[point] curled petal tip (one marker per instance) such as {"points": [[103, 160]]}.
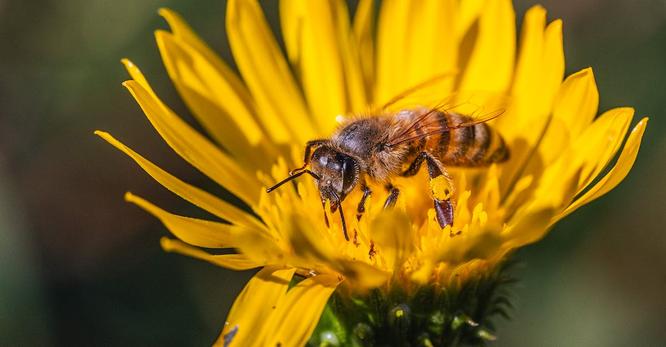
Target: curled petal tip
{"points": [[537, 7], [166, 12], [129, 197], [166, 243]]}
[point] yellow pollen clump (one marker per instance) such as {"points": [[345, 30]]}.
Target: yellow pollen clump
{"points": [[441, 188]]}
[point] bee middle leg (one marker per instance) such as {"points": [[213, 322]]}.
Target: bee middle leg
{"points": [[393, 196], [361, 204], [441, 197]]}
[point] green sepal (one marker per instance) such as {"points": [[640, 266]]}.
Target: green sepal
{"points": [[432, 315], [330, 331]]}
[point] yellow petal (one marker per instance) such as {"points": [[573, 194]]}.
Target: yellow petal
{"points": [[553, 61], [195, 148], [223, 83], [136, 74], [574, 109], [235, 99], [624, 163], [559, 183], [318, 40], [213, 100], [230, 261], [292, 30], [266, 73], [530, 56], [480, 244], [197, 232], [364, 26], [363, 275], [468, 13], [296, 317], [433, 31], [183, 31], [524, 159], [599, 143], [392, 237], [253, 306], [531, 226], [262, 248], [577, 101], [313, 246], [178, 58], [539, 73], [491, 60], [188, 192], [551, 147], [585, 158], [408, 29], [358, 97], [392, 36]]}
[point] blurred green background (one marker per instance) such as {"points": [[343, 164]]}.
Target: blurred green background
{"points": [[78, 266]]}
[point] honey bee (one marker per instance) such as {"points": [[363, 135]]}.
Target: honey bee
{"points": [[381, 146]]}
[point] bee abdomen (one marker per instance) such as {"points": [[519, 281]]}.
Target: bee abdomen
{"points": [[475, 145]]}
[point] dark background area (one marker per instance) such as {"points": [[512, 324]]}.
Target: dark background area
{"points": [[79, 266]]}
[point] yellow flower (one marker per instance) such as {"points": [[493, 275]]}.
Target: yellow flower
{"points": [[259, 122]]}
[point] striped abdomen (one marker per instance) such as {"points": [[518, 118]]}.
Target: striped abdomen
{"points": [[474, 145]]}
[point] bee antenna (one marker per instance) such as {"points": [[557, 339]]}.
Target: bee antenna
{"points": [[292, 175]]}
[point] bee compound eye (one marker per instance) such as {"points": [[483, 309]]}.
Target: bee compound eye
{"points": [[322, 160], [348, 173]]}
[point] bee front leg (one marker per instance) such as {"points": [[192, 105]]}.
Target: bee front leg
{"points": [[442, 190], [361, 204], [308, 150], [393, 196]]}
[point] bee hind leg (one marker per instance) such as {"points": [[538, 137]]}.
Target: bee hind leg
{"points": [[414, 167], [440, 185], [443, 212]]}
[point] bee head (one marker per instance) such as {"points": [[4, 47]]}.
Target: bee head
{"points": [[338, 174]]}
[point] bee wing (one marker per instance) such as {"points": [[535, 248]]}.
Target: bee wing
{"points": [[477, 119], [416, 109], [418, 93], [413, 127]]}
